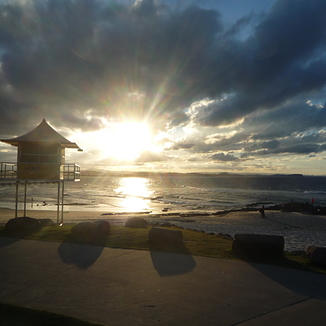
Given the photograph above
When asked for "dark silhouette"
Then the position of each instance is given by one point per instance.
(84, 245)
(168, 252)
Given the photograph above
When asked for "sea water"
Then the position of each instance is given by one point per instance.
(171, 193)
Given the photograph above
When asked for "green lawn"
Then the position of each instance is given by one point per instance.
(195, 243)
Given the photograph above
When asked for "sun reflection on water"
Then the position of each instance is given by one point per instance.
(135, 192)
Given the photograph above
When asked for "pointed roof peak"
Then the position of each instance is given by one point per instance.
(42, 133)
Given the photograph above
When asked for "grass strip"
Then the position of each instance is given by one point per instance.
(195, 243)
(12, 315)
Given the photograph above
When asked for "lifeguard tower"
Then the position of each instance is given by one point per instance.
(40, 159)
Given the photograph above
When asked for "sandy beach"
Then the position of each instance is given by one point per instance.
(299, 230)
(68, 217)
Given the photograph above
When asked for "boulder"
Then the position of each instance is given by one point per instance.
(92, 233)
(136, 222)
(161, 238)
(102, 227)
(317, 255)
(23, 224)
(46, 222)
(82, 229)
(258, 245)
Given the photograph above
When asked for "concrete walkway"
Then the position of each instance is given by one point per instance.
(129, 287)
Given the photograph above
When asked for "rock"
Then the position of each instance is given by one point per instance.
(136, 222)
(91, 233)
(23, 224)
(46, 222)
(161, 238)
(166, 224)
(258, 245)
(81, 228)
(317, 255)
(225, 236)
(298, 252)
(102, 227)
(298, 207)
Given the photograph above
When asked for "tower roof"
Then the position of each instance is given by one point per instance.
(42, 133)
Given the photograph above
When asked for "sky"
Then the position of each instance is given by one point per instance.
(169, 86)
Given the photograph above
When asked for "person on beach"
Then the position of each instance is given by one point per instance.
(262, 211)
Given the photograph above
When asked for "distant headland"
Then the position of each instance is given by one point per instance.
(144, 174)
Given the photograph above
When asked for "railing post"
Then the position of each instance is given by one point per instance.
(25, 193)
(62, 201)
(58, 202)
(16, 207)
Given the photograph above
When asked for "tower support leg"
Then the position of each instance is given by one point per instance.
(25, 197)
(58, 203)
(62, 200)
(16, 206)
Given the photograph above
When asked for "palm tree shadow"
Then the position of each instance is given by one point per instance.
(171, 260)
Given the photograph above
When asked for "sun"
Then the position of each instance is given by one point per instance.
(118, 141)
(127, 140)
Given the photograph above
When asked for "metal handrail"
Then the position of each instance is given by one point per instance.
(68, 171)
(8, 170)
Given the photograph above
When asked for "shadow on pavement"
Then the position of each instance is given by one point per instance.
(296, 279)
(7, 239)
(169, 261)
(83, 249)
(10, 237)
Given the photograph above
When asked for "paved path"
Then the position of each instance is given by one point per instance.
(128, 287)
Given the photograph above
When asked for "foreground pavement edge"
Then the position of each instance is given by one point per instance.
(130, 287)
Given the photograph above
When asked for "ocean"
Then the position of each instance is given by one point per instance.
(171, 193)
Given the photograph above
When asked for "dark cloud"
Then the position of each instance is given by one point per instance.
(64, 58)
(182, 145)
(284, 58)
(232, 142)
(294, 144)
(224, 157)
(68, 58)
(294, 149)
(288, 120)
(272, 144)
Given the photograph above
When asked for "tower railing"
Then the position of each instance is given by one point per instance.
(68, 172)
(8, 171)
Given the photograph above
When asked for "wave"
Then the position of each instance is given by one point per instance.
(314, 192)
(223, 190)
(189, 198)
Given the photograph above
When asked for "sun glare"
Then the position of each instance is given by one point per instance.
(129, 140)
(122, 141)
(136, 193)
